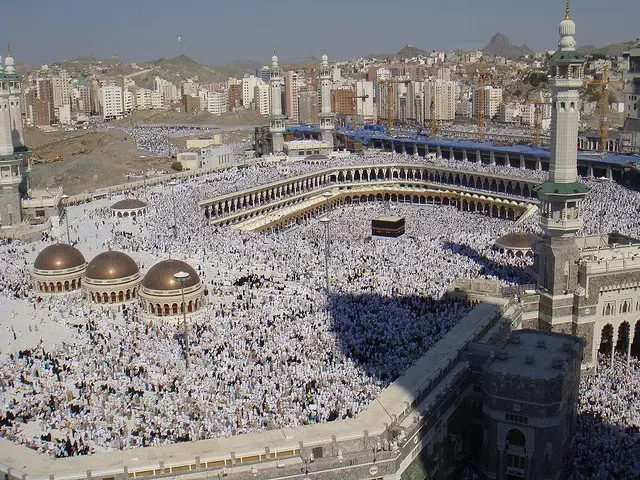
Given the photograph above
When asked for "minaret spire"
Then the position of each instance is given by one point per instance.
(562, 196)
(567, 14)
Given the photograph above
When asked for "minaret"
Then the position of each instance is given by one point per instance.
(327, 125)
(15, 112)
(276, 119)
(562, 196)
(11, 161)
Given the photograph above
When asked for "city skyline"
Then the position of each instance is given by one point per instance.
(249, 29)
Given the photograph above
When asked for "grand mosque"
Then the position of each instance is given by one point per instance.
(507, 401)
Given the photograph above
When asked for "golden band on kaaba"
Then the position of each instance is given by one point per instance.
(387, 226)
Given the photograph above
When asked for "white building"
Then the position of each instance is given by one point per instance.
(64, 114)
(249, 83)
(61, 84)
(143, 98)
(167, 89)
(443, 95)
(128, 101)
(217, 103)
(262, 98)
(492, 101)
(112, 107)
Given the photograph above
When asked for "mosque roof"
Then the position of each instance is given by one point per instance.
(160, 276)
(111, 265)
(518, 241)
(128, 204)
(59, 256)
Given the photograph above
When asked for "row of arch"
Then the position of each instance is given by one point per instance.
(114, 297)
(58, 287)
(128, 213)
(486, 206)
(216, 208)
(623, 339)
(166, 309)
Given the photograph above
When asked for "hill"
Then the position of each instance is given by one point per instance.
(502, 46)
(409, 51)
(611, 50)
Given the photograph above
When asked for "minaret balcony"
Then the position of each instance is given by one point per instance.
(565, 82)
(561, 225)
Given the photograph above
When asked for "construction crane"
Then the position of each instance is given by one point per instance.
(603, 105)
(537, 115)
(481, 74)
(354, 111)
(432, 118)
(390, 85)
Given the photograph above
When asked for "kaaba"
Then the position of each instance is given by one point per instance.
(387, 226)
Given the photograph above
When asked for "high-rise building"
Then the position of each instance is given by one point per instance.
(234, 96)
(217, 103)
(365, 102)
(61, 89)
(291, 96)
(112, 105)
(492, 101)
(43, 107)
(248, 88)
(632, 87)
(262, 98)
(440, 100)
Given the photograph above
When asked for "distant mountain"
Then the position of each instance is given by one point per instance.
(611, 50)
(502, 46)
(409, 51)
(237, 68)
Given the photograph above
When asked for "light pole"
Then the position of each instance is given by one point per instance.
(326, 221)
(172, 183)
(182, 277)
(66, 215)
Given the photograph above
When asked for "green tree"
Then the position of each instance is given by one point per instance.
(177, 166)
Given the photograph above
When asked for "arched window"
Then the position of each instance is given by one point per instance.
(516, 438)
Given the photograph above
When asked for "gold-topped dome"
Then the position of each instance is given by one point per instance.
(59, 256)
(160, 276)
(111, 265)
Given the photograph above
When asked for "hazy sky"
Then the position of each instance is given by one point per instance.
(216, 31)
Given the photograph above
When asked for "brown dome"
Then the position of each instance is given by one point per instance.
(129, 204)
(59, 256)
(160, 276)
(518, 241)
(111, 265)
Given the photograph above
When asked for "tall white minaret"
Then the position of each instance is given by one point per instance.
(562, 196)
(6, 78)
(327, 124)
(11, 161)
(15, 113)
(276, 119)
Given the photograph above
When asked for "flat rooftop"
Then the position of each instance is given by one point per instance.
(535, 354)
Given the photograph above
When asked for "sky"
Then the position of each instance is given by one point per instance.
(215, 32)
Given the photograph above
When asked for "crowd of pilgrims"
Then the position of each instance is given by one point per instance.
(271, 348)
(157, 140)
